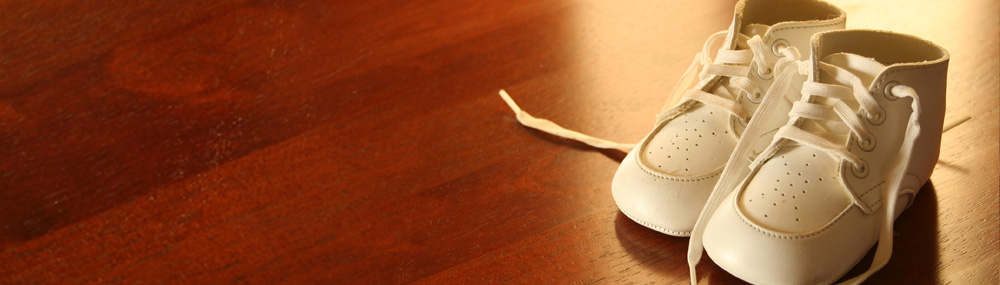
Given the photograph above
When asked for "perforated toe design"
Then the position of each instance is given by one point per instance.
(691, 144)
(796, 192)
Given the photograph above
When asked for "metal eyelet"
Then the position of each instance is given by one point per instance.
(860, 173)
(768, 73)
(888, 90)
(778, 45)
(755, 97)
(867, 144)
(877, 118)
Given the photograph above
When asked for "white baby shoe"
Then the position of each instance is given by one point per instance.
(858, 146)
(666, 179)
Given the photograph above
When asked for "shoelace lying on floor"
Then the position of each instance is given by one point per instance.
(733, 65)
(834, 110)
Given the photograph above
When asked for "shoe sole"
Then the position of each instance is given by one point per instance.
(654, 227)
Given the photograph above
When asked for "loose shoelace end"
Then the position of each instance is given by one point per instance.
(555, 129)
(694, 276)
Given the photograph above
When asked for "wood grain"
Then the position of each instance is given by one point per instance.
(363, 141)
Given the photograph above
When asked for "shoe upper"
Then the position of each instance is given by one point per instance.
(665, 180)
(807, 213)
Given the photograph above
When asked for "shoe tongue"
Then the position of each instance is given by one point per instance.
(749, 31)
(864, 68)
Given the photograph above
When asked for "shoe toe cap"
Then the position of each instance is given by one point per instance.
(796, 191)
(759, 254)
(662, 202)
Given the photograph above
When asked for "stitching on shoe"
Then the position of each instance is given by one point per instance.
(943, 63)
(816, 232)
(840, 21)
(787, 236)
(706, 177)
(642, 146)
(878, 203)
(882, 81)
(660, 124)
(873, 204)
(654, 227)
(673, 112)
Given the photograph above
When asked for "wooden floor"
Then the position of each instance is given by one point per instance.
(363, 141)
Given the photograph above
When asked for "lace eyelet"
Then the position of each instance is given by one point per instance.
(867, 144)
(778, 45)
(860, 173)
(876, 118)
(755, 97)
(768, 73)
(888, 90)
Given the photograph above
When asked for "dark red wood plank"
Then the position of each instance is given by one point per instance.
(363, 142)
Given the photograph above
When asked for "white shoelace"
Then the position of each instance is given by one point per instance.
(884, 250)
(738, 165)
(735, 65)
(731, 64)
(836, 110)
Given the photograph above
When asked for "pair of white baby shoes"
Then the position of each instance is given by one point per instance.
(787, 170)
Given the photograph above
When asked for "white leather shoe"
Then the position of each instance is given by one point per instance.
(664, 181)
(859, 145)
